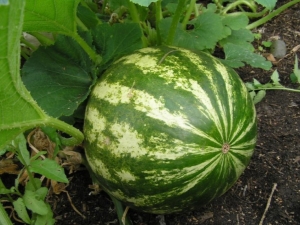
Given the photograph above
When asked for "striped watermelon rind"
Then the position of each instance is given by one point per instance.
(167, 129)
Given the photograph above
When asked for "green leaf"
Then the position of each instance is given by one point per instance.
(250, 86)
(33, 184)
(50, 16)
(4, 190)
(21, 149)
(45, 219)
(145, 3)
(235, 21)
(33, 202)
(242, 37)
(50, 169)
(237, 56)
(4, 219)
(259, 96)
(207, 31)
(114, 41)
(87, 16)
(18, 110)
(252, 94)
(20, 208)
(275, 78)
(59, 77)
(256, 83)
(114, 5)
(53, 135)
(171, 7)
(42, 193)
(37, 155)
(266, 44)
(269, 4)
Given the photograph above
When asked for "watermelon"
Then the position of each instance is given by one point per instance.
(167, 129)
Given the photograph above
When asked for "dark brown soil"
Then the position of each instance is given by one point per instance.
(276, 161)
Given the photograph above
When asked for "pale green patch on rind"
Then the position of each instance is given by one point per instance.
(238, 165)
(241, 130)
(245, 152)
(155, 108)
(141, 61)
(94, 117)
(101, 168)
(128, 141)
(126, 176)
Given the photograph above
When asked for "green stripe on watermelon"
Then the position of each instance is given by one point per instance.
(167, 129)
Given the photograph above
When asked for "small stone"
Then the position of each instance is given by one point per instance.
(278, 49)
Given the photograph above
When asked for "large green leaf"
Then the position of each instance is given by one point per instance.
(269, 4)
(235, 21)
(207, 31)
(56, 16)
(241, 37)
(145, 3)
(117, 40)
(51, 16)
(87, 16)
(59, 77)
(18, 111)
(237, 56)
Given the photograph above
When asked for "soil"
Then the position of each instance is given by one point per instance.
(274, 165)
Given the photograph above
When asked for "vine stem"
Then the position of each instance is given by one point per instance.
(251, 14)
(188, 14)
(43, 39)
(81, 24)
(92, 54)
(77, 135)
(120, 211)
(175, 22)
(158, 17)
(136, 18)
(271, 15)
(237, 3)
(277, 88)
(133, 12)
